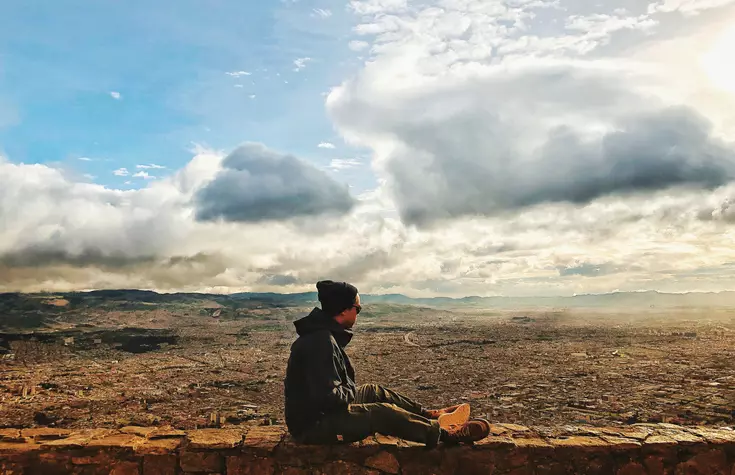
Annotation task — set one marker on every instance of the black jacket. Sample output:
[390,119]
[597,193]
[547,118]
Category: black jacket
[319,376]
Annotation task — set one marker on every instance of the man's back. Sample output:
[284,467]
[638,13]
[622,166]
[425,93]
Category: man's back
[319,376]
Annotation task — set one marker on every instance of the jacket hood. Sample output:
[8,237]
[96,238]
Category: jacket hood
[317,320]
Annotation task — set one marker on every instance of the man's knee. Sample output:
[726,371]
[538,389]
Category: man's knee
[368,393]
[371,388]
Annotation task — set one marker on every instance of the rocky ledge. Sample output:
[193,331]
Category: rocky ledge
[650,449]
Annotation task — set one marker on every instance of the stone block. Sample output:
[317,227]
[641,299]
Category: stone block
[356,452]
[632,468]
[263,439]
[532,443]
[494,442]
[8,449]
[160,464]
[681,436]
[165,432]
[137,430]
[552,468]
[384,461]
[472,462]
[714,436]
[214,439]
[295,471]
[11,468]
[125,468]
[292,453]
[250,465]
[422,461]
[45,433]
[11,436]
[579,442]
[341,467]
[158,446]
[655,465]
[710,462]
[77,439]
[99,458]
[515,428]
[116,441]
[201,462]
[621,443]
[659,440]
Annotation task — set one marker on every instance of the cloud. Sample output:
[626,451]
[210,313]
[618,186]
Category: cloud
[50,219]
[252,96]
[321,13]
[258,184]
[121,172]
[300,64]
[151,166]
[144,175]
[357,45]
[326,145]
[237,74]
[517,136]
[344,163]
[116,95]
[686,7]
[89,176]
[85,159]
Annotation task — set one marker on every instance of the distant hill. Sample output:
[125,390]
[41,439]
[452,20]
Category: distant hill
[612,300]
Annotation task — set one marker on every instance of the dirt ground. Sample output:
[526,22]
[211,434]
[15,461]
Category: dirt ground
[537,368]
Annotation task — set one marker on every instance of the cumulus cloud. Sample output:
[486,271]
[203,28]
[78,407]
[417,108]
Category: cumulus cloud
[258,184]
[144,175]
[115,95]
[121,172]
[326,145]
[519,137]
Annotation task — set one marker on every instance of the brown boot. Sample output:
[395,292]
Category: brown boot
[472,431]
[435,413]
[455,416]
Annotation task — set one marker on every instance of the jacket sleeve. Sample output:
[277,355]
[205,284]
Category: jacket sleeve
[326,387]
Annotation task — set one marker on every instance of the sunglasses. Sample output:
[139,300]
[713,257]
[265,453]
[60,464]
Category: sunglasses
[358,308]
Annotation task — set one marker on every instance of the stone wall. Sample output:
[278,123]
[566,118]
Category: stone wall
[651,449]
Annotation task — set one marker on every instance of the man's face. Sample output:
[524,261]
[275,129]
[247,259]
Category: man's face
[348,318]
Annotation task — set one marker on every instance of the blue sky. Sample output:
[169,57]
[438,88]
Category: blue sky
[131,83]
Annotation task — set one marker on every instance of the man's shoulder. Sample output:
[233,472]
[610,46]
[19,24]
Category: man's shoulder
[323,337]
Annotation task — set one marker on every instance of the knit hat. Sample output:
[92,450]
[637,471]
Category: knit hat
[336,297]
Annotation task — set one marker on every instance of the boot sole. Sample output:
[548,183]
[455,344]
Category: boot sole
[458,417]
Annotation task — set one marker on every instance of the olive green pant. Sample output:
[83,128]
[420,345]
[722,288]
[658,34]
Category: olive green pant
[375,410]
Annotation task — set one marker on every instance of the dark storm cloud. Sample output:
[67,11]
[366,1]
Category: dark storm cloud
[38,256]
[257,184]
[648,153]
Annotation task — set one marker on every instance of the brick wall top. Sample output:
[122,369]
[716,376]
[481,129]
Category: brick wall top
[511,449]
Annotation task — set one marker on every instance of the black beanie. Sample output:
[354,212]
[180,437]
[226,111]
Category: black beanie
[336,297]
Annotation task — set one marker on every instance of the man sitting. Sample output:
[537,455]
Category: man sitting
[323,403]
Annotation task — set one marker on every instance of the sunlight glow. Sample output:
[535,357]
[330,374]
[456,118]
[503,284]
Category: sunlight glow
[719,62]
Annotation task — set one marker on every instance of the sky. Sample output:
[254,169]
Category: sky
[449,147]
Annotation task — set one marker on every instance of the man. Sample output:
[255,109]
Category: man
[323,403]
